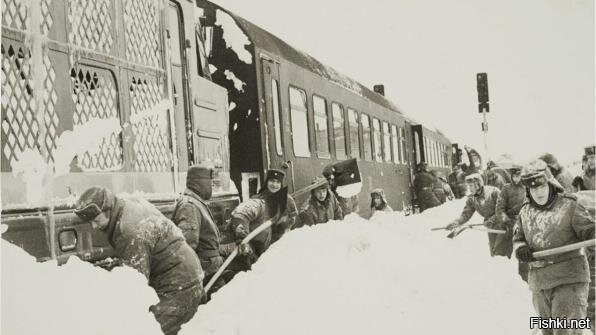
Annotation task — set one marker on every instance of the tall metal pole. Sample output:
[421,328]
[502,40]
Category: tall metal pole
[485,135]
[483,107]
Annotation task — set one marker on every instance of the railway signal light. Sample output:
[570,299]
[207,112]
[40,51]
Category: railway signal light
[483,107]
[482,87]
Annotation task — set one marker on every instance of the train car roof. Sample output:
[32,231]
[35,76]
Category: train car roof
[276,46]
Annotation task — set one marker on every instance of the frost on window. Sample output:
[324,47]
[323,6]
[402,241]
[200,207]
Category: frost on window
[276,118]
[141,32]
[321,131]
[377,140]
[395,145]
[339,131]
[386,142]
[354,138]
[366,138]
[299,121]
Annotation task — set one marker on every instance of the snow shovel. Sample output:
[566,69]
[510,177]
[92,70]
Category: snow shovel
[445,227]
[344,173]
[458,230]
[234,253]
[565,248]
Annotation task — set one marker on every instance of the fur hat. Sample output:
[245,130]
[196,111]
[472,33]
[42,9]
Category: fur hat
[92,202]
[199,180]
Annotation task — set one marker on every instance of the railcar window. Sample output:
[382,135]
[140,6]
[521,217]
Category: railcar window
[321,131]
[366,138]
[417,148]
[377,140]
[339,131]
[298,111]
[354,138]
[402,146]
[386,142]
[276,116]
[395,144]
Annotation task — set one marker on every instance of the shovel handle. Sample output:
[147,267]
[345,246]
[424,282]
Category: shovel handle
[565,248]
[234,253]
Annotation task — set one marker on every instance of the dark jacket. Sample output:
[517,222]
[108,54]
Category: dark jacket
[193,217]
[424,183]
[251,214]
[485,204]
[315,212]
[563,222]
[150,243]
[509,203]
[493,178]
[457,183]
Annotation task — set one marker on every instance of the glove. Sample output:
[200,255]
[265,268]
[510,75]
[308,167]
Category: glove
[452,225]
[241,232]
[524,254]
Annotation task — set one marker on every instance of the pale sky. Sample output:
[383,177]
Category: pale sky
[539,56]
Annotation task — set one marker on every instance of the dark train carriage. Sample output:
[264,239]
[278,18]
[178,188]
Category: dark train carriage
[109,93]
[432,147]
[289,110]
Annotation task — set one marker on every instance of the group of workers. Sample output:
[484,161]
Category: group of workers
[534,212]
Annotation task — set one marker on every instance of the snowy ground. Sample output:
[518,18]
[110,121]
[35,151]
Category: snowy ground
[390,275]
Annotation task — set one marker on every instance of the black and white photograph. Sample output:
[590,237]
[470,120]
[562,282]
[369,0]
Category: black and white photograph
[234,167]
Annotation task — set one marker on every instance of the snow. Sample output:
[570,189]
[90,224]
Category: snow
[231,106]
[233,36]
[76,298]
[349,190]
[389,275]
[212,68]
[238,84]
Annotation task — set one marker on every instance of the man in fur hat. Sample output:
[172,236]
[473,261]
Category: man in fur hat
[147,241]
[551,219]
[322,206]
[564,177]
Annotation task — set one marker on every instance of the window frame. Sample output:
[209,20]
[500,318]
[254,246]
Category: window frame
[320,154]
[358,141]
[290,87]
[376,157]
[277,115]
[386,136]
[370,137]
[343,125]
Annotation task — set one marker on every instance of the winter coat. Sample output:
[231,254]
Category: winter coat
[503,173]
[423,186]
[493,178]
[193,217]
[510,201]
[251,214]
[485,204]
[315,212]
[563,222]
[348,205]
[150,243]
[286,221]
[565,179]
[457,184]
[584,182]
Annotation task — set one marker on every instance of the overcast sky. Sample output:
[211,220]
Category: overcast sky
[539,56]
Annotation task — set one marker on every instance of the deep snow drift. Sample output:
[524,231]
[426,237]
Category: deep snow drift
[390,275]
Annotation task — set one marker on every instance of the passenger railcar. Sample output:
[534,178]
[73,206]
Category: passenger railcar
[289,110]
[106,92]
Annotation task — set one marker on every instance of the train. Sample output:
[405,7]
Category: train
[128,94]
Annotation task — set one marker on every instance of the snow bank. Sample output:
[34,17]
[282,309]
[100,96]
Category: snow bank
[76,298]
[390,275]
[238,84]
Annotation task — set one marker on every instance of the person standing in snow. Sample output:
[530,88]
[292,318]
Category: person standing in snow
[510,200]
[495,176]
[587,180]
[456,181]
[424,183]
[483,199]
[147,241]
[322,205]
[274,180]
[251,214]
[561,174]
[441,188]
[193,216]
[348,205]
[550,219]
[378,201]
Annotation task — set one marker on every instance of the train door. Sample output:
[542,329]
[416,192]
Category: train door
[274,130]
[175,35]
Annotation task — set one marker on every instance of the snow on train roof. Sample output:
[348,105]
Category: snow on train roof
[271,43]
